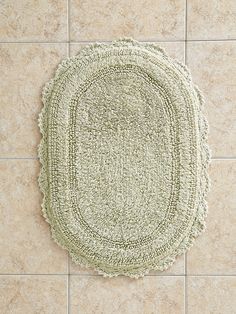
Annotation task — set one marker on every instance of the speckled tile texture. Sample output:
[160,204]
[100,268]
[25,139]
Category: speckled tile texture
[142,19]
[36,276]
[151,294]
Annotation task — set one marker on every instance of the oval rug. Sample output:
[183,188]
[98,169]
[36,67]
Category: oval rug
[124,158]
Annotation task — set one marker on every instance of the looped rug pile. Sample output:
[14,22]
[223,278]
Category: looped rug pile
[124,158]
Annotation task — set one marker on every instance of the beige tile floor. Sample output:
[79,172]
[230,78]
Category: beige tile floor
[36,276]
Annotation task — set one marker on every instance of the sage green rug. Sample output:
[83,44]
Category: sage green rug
[124,158]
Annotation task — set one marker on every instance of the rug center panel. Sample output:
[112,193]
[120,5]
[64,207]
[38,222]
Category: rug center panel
[122,161]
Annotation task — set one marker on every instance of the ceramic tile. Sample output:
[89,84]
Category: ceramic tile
[25,68]
[143,19]
[95,294]
[28,20]
[215,252]
[211,295]
[174,49]
[25,240]
[33,294]
[211,19]
[213,66]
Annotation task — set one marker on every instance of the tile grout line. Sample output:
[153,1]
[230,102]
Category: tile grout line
[223,158]
[19,158]
[68,27]
[28,274]
[186,294]
[212,275]
[108,41]
[68,254]
[185,34]
[148,40]
[68,282]
[91,275]
[35,42]
[185,254]
[185,284]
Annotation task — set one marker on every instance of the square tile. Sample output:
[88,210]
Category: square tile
[143,19]
[211,19]
[213,67]
[25,68]
[33,294]
[211,295]
[28,20]
[95,294]
[215,252]
[25,240]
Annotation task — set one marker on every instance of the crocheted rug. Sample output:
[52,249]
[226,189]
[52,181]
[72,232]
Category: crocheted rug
[124,158]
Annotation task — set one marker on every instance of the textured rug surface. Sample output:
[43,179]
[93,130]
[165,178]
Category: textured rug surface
[124,158]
